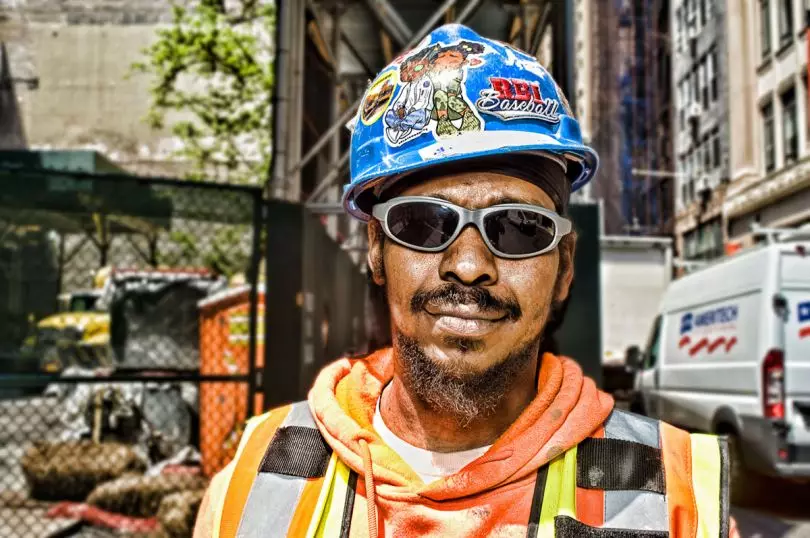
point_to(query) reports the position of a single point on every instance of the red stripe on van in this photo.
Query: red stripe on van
(685, 341)
(717, 343)
(730, 344)
(804, 332)
(703, 342)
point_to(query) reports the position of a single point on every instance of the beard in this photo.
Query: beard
(451, 387)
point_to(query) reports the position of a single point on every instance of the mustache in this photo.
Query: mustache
(455, 294)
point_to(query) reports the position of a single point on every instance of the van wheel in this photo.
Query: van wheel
(745, 484)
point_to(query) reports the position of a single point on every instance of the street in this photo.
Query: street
(792, 520)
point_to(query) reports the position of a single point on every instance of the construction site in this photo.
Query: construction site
(148, 310)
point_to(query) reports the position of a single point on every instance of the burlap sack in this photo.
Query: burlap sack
(178, 512)
(140, 496)
(70, 470)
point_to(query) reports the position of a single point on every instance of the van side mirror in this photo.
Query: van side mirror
(633, 358)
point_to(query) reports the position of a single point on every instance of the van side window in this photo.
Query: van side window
(653, 344)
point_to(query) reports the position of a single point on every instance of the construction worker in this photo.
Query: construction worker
(464, 427)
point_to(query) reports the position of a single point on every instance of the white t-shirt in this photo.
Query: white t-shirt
(427, 464)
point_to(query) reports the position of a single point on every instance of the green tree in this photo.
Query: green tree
(212, 82)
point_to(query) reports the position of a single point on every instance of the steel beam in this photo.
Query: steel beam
(334, 172)
(333, 208)
(563, 49)
(468, 11)
(280, 101)
(390, 20)
(540, 29)
(349, 112)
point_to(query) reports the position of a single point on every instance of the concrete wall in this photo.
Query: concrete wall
(79, 53)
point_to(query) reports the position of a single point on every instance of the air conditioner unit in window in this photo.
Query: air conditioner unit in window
(694, 110)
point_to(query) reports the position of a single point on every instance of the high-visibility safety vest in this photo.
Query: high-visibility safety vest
(288, 482)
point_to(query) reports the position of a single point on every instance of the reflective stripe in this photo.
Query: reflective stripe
(706, 484)
(299, 415)
(632, 509)
(637, 510)
(559, 497)
(249, 455)
(329, 522)
(259, 513)
(631, 427)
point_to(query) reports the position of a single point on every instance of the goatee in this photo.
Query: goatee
(450, 387)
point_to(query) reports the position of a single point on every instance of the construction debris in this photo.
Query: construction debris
(71, 470)
(178, 511)
(140, 496)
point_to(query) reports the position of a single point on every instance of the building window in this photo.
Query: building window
(704, 83)
(716, 144)
(790, 131)
(768, 137)
(765, 27)
(711, 73)
(703, 14)
(707, 154)
(785, 21)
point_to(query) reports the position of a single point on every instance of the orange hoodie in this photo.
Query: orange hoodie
(491, 496)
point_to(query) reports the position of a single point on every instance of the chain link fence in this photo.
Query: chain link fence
(128, 324)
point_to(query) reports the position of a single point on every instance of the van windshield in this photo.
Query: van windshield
(653, 344)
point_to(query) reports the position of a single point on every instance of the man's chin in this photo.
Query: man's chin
(468, 384)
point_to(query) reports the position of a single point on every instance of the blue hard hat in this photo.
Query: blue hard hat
(457, 96)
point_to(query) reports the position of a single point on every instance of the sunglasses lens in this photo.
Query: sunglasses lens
(519, 231)
(422, 224)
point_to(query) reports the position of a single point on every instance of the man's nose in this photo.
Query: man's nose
(468, 261)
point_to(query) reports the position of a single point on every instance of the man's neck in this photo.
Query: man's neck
(413, 421)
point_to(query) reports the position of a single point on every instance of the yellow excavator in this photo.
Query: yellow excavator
(77, 335)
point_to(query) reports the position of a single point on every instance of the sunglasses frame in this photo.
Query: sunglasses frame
(562, 226)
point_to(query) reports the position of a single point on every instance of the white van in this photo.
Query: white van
(729, 353)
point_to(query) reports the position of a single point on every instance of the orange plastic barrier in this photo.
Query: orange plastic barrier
(224, 342)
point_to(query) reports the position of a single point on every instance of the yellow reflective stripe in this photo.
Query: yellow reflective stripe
(706, 484)
(324, 498)
(332, 522)
(560, 494)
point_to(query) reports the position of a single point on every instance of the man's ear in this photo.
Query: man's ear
(567, 248)
(376, 240)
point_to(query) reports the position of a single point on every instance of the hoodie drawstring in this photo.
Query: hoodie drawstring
(371, 490)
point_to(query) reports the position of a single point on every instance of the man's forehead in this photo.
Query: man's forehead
(481, 189)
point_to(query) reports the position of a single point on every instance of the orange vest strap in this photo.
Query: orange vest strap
(677, 455)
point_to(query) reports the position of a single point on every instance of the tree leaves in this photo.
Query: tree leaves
(212, 86)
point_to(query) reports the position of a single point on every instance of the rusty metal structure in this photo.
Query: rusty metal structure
(329, 50)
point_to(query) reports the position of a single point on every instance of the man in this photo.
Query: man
(463, 427)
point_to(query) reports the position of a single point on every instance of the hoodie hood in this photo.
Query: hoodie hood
(567, 408)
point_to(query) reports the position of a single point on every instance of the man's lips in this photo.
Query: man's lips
(466, 321)
(468, 312)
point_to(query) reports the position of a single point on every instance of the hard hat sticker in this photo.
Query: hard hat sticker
(432, 97)
(513, 99)
(377, 97)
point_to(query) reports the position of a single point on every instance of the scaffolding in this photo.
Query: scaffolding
(631, 89)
